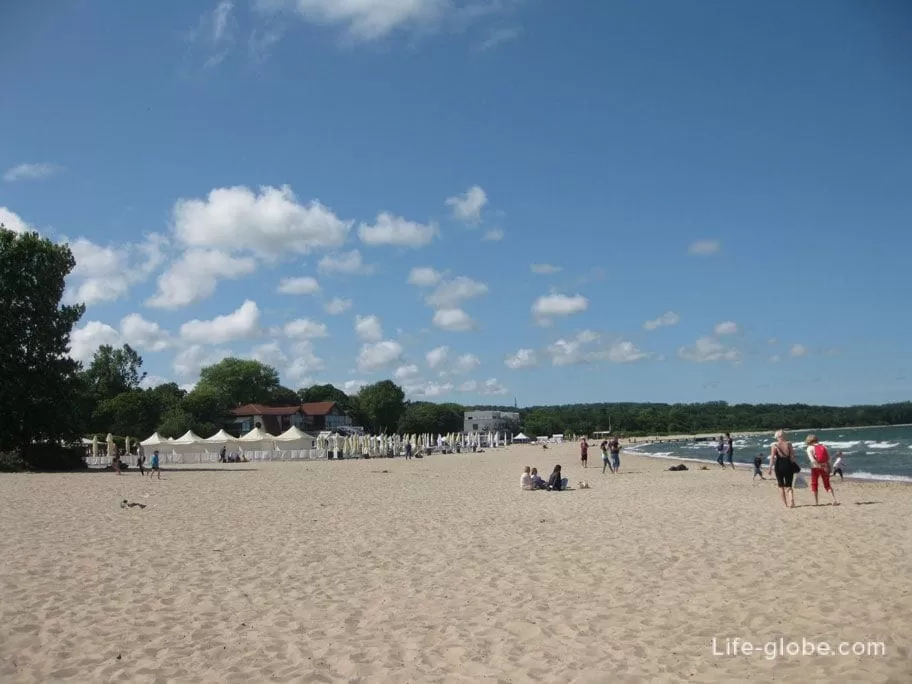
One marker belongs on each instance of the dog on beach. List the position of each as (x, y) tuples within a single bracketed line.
[(131, 504), (582, 484)]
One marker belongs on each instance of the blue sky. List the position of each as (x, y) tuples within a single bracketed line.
[(557, 201)]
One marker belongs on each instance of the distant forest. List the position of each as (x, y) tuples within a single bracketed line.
[(658, 419)]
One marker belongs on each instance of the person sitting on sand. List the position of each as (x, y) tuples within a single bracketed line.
[(819, 458), (837, 466), (782, 460), (537, 481), (525, 481), (758, 465), (556, 482)]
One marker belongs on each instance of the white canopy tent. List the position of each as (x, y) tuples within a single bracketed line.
[(156, 440), (521, 438), (219, 438), (257, 440), (293, 439)]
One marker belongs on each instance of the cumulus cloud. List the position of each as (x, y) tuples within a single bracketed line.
[(406, 372), (666, 319), (144, 335), (798, 350), (304, 362), (465, 363), (269, 222), (86, 340), (468, 386), (545, 269), (523, 358), (492, 387), (299, 286), (468, 207), (437, 356), (550, 306), (454, 320), (704, 247), (726, 328), (624, 351), (188, 362), (241, 323), (195, 275), (449, 294), (419, 388), (353, 386), (567, 352), (397, 231), (12, 221), (304, 328), (368, 328), (376, 355), (707, 349), (493, 235), (337, 305), (107, 273), (347, 263), (31, 172), (269, 353), (775, 358), (424, 276)]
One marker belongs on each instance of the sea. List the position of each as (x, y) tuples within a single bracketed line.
[(869, 453)]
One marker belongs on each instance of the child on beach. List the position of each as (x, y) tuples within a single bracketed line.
[(837, 465), (155, 465), (525, 482), (758, 467), (537, 481)]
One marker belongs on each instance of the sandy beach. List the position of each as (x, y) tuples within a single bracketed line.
[(442, 570)]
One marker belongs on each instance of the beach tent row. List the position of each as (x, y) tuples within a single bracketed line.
[(256, 445)]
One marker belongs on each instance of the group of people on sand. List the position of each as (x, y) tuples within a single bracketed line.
[(608, 446), (785, 464), (116, 463), (531, 480)]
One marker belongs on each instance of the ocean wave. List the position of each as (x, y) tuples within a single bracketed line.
[(862, 475), (881, 445)]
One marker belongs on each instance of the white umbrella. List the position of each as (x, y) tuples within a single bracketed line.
[(112, 449), (94, 446)]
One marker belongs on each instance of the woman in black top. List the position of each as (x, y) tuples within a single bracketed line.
[(554, 482), (783, 463)]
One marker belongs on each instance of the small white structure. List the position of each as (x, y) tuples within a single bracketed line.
[(521, 438)]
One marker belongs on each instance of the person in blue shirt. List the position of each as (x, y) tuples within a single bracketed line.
[(154, 465)]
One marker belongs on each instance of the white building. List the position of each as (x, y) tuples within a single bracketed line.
[(491, 421)]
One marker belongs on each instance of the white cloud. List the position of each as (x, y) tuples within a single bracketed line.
[(709, 349), (241, 323), (437, 356), (726, 328), (493, 235), (667, 318), (424, 276), (188, 362), (567, 352), (337, 305), (107, 273), (304, 362), (548, 306), (397, 231), (798, 350), (151, 381), (491, 386), (773, 340), (467, 207), (305, 328), (427, 389), (86, 340), (353, 386), (195, 275), (468, 386), (368, 328), (499, 36), (12, 221), (624, 352), (143, 334), (465, 363), (349, 263), (454, 320), (775, 358), (299, 286), (451, 293), (406, 372), (220, 17), (523, 358), (376, 355), (704, 247), (31, 172), (269, 353), (270, 223), (545, 269), (364, 20)]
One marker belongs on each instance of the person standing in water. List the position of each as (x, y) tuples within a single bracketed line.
[(730, 450)]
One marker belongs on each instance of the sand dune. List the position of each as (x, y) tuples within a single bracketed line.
[(443, 570)]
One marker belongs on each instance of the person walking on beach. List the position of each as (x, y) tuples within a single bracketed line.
[(837, 465), (408, 450), (605, 462), (720, 452), (614, 446), (730, 450), (140, 460), (758, 467), (584, 453), (820, 467), (782, 461), (154, 465)]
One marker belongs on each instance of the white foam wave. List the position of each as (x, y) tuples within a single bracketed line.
[(882, 445), (862, 475), (842, 445)]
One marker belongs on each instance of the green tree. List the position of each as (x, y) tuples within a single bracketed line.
[(38, 379), (113, 371), (422, 416), (240, 381), (174, 422), (382, 405), (135, 413), (206, 409), (168, 395), (323, 393), (284, 397)]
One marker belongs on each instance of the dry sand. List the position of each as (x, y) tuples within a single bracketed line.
[(442, 570)]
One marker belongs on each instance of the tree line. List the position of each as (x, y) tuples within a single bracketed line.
[(47, 398)]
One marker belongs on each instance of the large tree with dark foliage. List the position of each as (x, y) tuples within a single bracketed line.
[(382, 405), (240, 381), (38, 379)]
